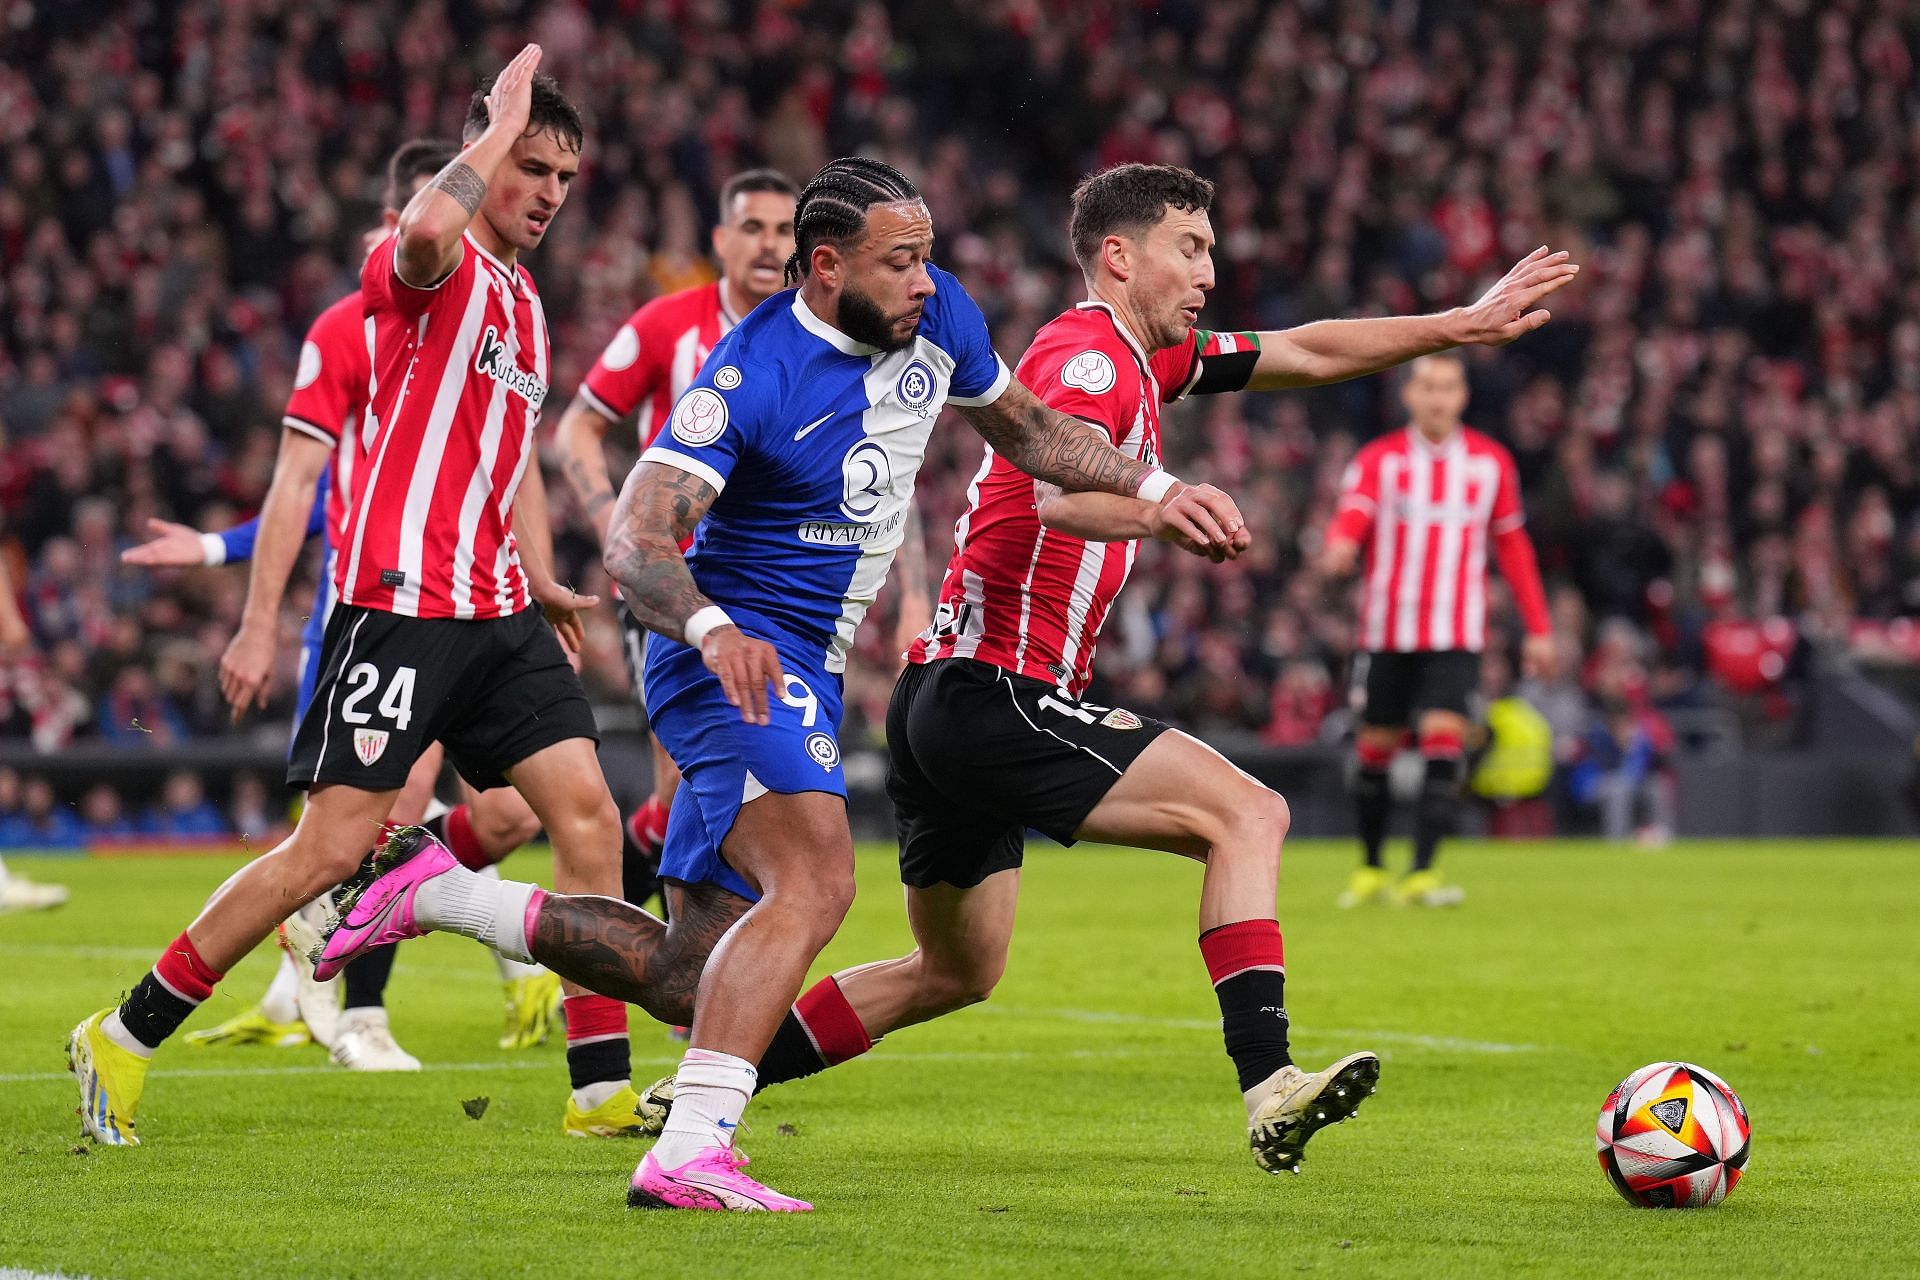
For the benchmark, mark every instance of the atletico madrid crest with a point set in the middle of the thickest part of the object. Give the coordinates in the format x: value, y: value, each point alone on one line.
x: 369, y: 744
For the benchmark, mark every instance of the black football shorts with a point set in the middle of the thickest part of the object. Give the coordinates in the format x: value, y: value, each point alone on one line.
x: 1398, y: 685
x: 493, y: 690
x: 977, y: 755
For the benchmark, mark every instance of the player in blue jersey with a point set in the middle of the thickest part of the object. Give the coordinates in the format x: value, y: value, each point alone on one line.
x: 793, y: 455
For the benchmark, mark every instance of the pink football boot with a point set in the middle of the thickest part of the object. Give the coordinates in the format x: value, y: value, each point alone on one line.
x: 376, y: 906
x: 711, y: 1180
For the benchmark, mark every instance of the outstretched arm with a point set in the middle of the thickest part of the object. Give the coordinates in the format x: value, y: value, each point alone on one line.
x: 658, y: 510
x: 179, y: 546
x: 1334, y: 350
x: 431, y: 225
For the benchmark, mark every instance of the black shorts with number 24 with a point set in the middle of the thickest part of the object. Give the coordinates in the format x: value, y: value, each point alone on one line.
x: 493, y: 690
x: 976, y: 755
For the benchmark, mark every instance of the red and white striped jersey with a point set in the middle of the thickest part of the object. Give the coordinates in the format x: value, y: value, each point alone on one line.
x: 1426, y: 515
x: 459, y: 375
x: 330, y: 397
x: 656, y: 354
x: 1030, y: 599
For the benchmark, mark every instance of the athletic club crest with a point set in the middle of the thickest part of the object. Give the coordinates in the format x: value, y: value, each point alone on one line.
x: 916, y: 387
x: 369, y: 744
x: 1120, y: 718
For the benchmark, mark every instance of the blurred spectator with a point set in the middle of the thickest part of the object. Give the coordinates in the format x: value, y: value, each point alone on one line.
x: 184, y: 812
x: 42, y: 822
x: 1623, y: 772
x: 1514, y: 763
x: 104, y: 815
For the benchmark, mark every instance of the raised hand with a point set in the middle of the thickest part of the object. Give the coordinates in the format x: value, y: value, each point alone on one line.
x: 1507, y: 310
x: 510, y: 101
x: 170, y: 546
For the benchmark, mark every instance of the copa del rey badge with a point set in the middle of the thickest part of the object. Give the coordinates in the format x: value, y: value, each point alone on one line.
x: 369, y: 744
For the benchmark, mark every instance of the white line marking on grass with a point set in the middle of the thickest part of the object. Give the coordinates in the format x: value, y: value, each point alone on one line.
x: 17, y: 1273
x: 554, y: 1065
x: 1445, y: 1044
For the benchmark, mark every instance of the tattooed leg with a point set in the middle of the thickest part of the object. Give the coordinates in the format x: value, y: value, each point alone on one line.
x: 616, y: 949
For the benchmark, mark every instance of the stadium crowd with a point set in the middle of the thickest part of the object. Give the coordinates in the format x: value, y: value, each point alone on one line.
x: 1716, y: 434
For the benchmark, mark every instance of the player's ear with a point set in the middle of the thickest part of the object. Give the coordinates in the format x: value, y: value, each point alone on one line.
x: 714, y: 238
x: 827, y: 262
x: 1117, y: 254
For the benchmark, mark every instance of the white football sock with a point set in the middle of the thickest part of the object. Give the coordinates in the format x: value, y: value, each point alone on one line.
x: 511, y: 970
x: 710, y: 1093
x: 279, y: 1004
x: 492, y: 912
x: 587, y: 1097
x: 116, y: 1031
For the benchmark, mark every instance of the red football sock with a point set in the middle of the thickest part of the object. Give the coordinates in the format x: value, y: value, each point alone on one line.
x: 463, y: 843
x: 597, y: 1047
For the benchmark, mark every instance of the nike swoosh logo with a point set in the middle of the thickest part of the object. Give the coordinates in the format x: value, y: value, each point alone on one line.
x: 807, y: 430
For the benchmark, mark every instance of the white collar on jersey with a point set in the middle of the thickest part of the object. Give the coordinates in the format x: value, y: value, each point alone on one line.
x: 1139, y: 352
x: 1456, y: 439
x: 820, y: 329
x: 728, y: 316
x: 513, y: 277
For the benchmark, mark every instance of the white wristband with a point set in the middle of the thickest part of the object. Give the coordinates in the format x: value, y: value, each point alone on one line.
x: 1156, y: 485
x: 704, y: 621
x: 213, y: 548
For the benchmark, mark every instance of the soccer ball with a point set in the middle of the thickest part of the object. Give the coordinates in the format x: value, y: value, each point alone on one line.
x: 1673, y: 1136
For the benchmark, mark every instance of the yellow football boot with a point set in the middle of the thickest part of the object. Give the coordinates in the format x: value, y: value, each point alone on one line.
x: 533, y: 1007
x: 110, y: 1079
x: 625, y: 1115
x: 1366, y: 884
x: 254, y: 1027
x: 1426, y: 889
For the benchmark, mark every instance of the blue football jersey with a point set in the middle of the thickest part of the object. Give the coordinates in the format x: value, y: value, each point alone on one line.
x: 813, y: 441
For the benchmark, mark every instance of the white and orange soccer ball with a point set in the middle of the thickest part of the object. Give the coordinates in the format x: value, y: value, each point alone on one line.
x: 1673, y: 1136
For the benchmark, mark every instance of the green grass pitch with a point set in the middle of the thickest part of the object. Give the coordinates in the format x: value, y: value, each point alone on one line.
x: 1083, y: 1122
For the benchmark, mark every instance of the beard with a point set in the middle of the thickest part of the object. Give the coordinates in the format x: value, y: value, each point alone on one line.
x: 862, y: 320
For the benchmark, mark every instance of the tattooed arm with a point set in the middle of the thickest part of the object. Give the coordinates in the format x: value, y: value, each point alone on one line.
x: 580, y: 441
x: 431, y: 225
x: 1048, y: 445
x: 658, y: 510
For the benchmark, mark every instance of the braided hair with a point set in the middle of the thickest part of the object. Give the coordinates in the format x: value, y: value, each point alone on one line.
x: 833, y: 207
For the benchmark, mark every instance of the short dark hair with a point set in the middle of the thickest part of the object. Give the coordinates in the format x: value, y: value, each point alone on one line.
x: 749, y: 181
x: 415, y: 159
x: 833, y: 207
x: 551, y: 112
x: 1127, y: 199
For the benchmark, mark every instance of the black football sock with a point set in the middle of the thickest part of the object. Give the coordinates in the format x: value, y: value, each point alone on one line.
x: 1372, y: 805
x: 1247, y: 963
x: 1438, y: 813
x: 366, y: 976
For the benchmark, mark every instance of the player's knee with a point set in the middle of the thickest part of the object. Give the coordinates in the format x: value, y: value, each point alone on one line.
x: 587, y: 833
x: 1249, y: 821
x: 946, y: 987
x: 504, y: 829
x: 328, y: 863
